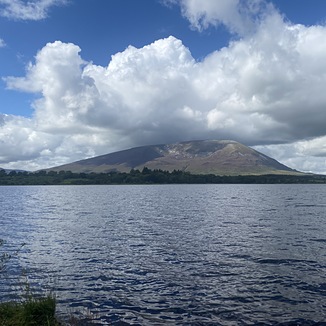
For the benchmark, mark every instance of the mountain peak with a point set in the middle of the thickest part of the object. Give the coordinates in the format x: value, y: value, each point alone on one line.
x: 219, y: 157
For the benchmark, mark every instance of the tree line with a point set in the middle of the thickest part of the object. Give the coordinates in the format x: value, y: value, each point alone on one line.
x: 146, y: 176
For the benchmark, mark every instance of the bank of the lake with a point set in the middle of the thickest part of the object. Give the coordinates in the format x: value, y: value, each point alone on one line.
x: 147, y: 176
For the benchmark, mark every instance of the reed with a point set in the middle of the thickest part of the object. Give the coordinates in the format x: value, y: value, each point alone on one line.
x: 38, y: 312
x: 31, y: 310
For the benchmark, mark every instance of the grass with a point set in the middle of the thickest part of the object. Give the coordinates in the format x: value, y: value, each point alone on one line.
x: 36, y: 312
x: 33, y: 312
x: 29, y: 312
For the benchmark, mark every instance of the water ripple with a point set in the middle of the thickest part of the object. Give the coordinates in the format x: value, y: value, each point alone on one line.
x: 172, y: 255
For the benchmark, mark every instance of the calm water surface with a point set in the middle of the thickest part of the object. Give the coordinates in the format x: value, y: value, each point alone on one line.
x: 171, y: 254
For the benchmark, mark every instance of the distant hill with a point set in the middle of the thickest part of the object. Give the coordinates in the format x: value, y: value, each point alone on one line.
x: 219, y: 157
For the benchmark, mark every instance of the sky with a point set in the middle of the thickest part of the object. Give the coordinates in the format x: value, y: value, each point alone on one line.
x: 81, y: 78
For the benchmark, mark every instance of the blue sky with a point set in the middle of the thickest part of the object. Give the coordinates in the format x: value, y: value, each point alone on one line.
x: 88, y: 77
x: 100, y: 28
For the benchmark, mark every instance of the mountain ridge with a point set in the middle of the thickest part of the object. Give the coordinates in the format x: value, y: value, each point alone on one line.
x: 219, y: 157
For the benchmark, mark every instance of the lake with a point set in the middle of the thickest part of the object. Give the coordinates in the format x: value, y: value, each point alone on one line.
x: 170, y: 254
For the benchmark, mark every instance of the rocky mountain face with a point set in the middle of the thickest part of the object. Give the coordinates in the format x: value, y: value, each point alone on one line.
x: 219, y: 157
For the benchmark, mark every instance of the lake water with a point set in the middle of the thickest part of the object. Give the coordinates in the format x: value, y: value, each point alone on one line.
x: 171, y: 254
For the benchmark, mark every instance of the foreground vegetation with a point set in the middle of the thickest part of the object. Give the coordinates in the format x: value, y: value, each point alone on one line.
x: 31, y: 312
x: 36, y: 312
x: 146, y: 176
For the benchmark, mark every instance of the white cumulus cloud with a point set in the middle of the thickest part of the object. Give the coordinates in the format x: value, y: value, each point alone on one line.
x: 264, y: 90
x: 240, y: 17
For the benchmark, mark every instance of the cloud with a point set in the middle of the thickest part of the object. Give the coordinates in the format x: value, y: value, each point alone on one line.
x: 20, y: 133
x: 30, y: 10
x: 2, y: 43
x: 306, y: 155
x: 264, y: 90
x: 238, y: 16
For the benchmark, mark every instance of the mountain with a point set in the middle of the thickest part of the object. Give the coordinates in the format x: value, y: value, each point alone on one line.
x: 219, y: 157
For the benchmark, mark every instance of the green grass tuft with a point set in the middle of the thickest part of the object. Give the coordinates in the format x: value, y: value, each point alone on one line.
x: 33, y: 312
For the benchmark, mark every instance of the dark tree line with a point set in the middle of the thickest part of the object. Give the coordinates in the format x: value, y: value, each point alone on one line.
x: 146, y: 176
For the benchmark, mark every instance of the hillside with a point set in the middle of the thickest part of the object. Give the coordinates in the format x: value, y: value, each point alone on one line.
x: 224, y: 157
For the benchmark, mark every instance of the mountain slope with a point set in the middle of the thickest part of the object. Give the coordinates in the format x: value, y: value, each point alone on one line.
x: 223, y: 157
